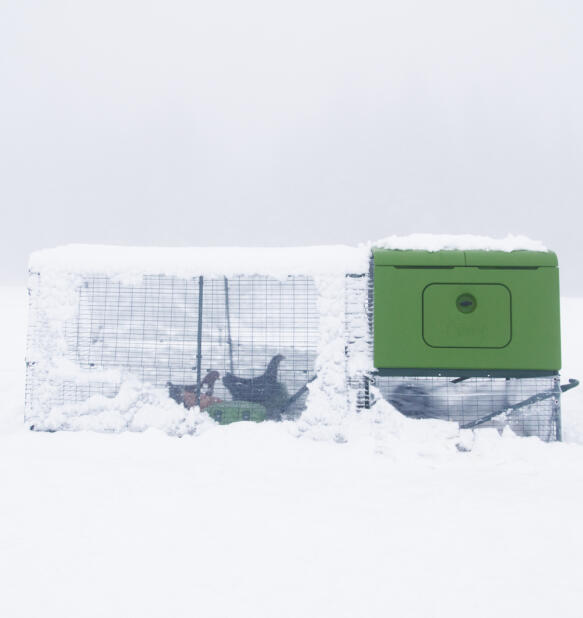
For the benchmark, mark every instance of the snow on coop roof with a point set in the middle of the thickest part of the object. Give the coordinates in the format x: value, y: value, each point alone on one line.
x: 131, y: 262
x: 460, y: 242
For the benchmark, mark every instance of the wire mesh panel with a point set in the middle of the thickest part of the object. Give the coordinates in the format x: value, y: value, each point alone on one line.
x: 205, y: 340
x: 150, y: 328
x: 261, y: 334
x: 358, y: 320
x: 529, y: 406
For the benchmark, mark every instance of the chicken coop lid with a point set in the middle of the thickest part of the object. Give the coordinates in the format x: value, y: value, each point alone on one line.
x: 450, y: 258
x: 398, y: 257
x: 524, y: 259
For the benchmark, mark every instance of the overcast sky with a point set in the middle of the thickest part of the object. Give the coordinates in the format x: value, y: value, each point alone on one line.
x: 289, y: 123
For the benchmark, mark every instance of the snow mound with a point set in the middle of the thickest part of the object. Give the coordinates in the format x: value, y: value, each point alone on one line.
x: 137, y: 407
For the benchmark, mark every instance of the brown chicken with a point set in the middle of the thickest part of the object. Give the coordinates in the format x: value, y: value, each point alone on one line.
x: 186, y: 393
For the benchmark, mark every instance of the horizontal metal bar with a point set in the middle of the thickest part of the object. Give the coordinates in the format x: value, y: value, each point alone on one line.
x: 465, y: 373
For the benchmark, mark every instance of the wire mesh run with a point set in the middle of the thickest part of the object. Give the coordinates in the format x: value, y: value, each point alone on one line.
x: 206, y: 340
x: 529, y: 406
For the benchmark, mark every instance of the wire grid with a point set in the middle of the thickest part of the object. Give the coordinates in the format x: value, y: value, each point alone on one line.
x: 31, y: 377
x: 151, y: 330
x: 358, y: 336
x: 468, y: 401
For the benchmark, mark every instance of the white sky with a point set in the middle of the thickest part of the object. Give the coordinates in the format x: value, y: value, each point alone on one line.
x: 289, y: 123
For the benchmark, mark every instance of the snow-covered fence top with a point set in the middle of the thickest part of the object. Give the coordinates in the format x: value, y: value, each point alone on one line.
x: 130, y: 263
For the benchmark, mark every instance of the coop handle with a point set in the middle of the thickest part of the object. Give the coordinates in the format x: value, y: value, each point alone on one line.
x: 567, y: 387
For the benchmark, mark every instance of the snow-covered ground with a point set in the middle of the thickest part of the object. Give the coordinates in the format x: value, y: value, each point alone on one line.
x: 247, y: 520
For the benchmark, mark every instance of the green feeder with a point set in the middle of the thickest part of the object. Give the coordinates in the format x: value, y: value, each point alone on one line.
x: 233, y: 411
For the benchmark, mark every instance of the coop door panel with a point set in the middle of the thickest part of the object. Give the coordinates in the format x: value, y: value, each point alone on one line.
x: 466, y: 315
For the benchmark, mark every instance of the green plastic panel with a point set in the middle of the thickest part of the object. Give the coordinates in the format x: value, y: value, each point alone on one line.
x: 427, y: 259
x: 511, y: 259
x: 420, y: 321
x: 227, y: 412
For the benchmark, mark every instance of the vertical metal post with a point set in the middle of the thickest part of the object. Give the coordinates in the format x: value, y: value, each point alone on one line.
x: 228, y: 316
x: 557, y: 408
x: 370, y: 318
x: 199, y: 339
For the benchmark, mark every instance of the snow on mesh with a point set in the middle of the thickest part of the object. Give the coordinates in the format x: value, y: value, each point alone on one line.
x: 137, y: 406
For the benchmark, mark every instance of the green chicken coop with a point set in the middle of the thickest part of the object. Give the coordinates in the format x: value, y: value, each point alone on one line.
x: 470, y: 336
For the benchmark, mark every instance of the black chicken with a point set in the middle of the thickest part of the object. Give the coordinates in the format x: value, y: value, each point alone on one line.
x: 264, y: 389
